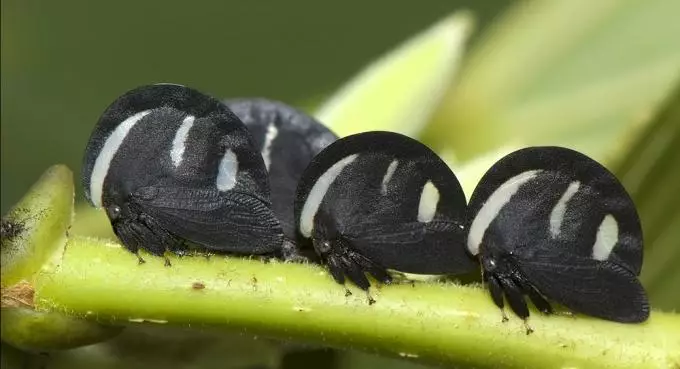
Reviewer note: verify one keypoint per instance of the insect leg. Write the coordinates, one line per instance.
(154, 238)
(355, 273)
(534, 295)
(371, 300)
(538, 300)
(496, 292)
(377, 271)
(144, 238)
(129, 239)
(335, 267)
(179, 247)
(515, 296)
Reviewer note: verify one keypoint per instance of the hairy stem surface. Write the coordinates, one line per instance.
(432, 322)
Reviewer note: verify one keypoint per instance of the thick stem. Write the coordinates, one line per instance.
(437, 323)
(33, 235)
(36, 227)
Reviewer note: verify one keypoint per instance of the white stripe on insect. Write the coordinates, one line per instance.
(272, 132)
(226, 173)
(429, 198)
(606, 238)
(168, 84)
(108, 151)
(388, 175)
(557, 213)
(493, 206)
(179, 142)
(318, 192)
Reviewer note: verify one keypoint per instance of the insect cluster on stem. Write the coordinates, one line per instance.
(177, 169)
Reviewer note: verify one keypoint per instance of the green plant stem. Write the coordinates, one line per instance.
(39, 223)
(436, 323)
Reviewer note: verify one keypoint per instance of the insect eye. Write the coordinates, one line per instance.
(323, 246)
(489, 264)
(113, 211)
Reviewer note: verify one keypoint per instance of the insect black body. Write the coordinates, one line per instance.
(170, 165)
(287, 139)
(552, 224)
(380, 200)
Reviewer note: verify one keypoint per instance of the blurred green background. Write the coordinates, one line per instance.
(588, 75)
(64, 62)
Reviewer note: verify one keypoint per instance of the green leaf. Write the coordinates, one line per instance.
(649, 170)
(568, 72)
(400, 91)
(470, 172)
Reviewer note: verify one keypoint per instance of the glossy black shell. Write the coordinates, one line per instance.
(172, 165)
(567, 231)
(373, 205)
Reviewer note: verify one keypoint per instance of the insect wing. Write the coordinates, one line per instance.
(598, 288)
(390, 242)
(227, 221)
